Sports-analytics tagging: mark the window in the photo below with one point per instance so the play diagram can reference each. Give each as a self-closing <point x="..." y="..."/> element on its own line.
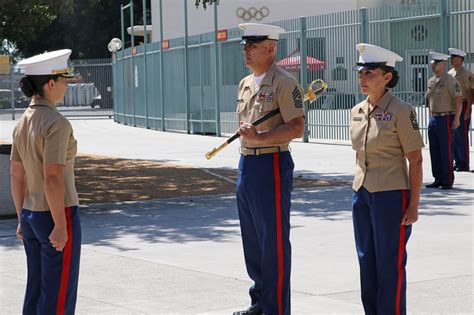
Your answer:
<point x="339" y="73"/>
<point x="419" y="33"/>
<point x="419" y="59"/>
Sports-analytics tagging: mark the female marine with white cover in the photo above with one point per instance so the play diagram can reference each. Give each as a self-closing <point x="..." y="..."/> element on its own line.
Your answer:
<point x="385" y="134"/>
<point x="46" y="201"/>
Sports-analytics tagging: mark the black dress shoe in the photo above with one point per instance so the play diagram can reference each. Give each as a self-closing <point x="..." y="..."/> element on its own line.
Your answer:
<point x="459" y="169"/>
<point x="436" y="184"/>
<point x="446" y="187"/>
<point x="252" y="310"/>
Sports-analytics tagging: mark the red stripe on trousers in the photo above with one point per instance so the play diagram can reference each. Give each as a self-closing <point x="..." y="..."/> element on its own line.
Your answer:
<point x="466" y="142"/>
<point x="66" y="265"/>
<point x="450" y="150"/>
<point x="276" y="172"/>
<point x="401" y="253"/>
<point x="466" y="138"/>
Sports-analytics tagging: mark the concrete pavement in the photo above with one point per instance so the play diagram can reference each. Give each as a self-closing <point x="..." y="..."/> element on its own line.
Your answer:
<point x="184" y="256"/>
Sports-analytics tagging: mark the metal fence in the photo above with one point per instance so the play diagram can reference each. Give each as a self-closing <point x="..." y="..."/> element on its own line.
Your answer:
<point x="88" y="95"/>
<point x="190" y="84"/>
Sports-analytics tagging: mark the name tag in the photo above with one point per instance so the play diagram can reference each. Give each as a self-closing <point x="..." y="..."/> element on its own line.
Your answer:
<point x="356" y="118"/>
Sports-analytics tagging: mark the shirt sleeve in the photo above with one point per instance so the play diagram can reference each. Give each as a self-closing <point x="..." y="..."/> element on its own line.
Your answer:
<point x="290" y="100"/>
<point x="408" y="130"/>
<point x="471" y="80"/>
<point x="457" y="92"/>
<point x="56" y="141"/>
<point x="14" y="154"/>
<point x="428" y="90"/>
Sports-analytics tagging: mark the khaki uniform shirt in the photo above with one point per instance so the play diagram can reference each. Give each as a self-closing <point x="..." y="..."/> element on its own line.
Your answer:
<point x="43" y="136"/>
<point x="277" y="90"/>
<point x="381" y="139"/>
<point x="465" y="79"/>
<point x="442" y="93"/>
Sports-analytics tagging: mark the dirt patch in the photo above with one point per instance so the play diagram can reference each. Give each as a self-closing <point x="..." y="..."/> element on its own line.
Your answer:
<point x="101" y="179"/>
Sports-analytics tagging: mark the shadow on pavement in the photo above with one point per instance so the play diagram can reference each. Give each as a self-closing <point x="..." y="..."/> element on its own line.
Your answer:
<point x="445" y="202"/>
<point x="215" y="218"/>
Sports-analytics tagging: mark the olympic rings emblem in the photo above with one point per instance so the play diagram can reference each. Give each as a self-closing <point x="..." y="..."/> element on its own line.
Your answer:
<point x="252" y="13"/>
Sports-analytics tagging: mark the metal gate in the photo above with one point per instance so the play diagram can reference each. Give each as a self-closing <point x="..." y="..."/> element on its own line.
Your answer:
<point x="89" y="94"/>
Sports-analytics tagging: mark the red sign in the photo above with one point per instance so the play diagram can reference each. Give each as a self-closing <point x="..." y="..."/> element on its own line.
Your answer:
<point x="165" y="44"/>
<point x="221" y="35"/>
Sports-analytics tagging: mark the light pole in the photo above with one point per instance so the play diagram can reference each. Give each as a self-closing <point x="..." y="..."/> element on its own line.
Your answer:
<point x="114" y="45"/>
<point x="217" y="72"/>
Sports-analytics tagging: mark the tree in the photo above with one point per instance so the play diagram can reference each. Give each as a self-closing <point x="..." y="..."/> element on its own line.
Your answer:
<point x="85" y="26"/>
<point x="22" y="22"/>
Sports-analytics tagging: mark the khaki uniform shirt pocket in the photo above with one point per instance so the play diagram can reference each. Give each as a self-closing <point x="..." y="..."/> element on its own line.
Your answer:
<point x="429" y="90"/>
<point x="387" y="135"/>
<point x="267" y="107"/>
<point x="358" y="126"/>
<point x="241" y="105"/>
<point x="241" y="110"/>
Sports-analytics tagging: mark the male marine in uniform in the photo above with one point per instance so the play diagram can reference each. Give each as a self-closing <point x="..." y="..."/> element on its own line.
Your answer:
<point x="444" y="101"/>
<point x="265" y="178"/>
<point x="461" y="134"/>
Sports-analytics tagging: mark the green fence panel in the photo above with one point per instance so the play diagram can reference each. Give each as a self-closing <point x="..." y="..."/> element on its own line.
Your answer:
<point x="326" y="50"/>
<point x="139" y="87"/>
<point x="174" y="89"/>
<point x="156" y="81"/>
